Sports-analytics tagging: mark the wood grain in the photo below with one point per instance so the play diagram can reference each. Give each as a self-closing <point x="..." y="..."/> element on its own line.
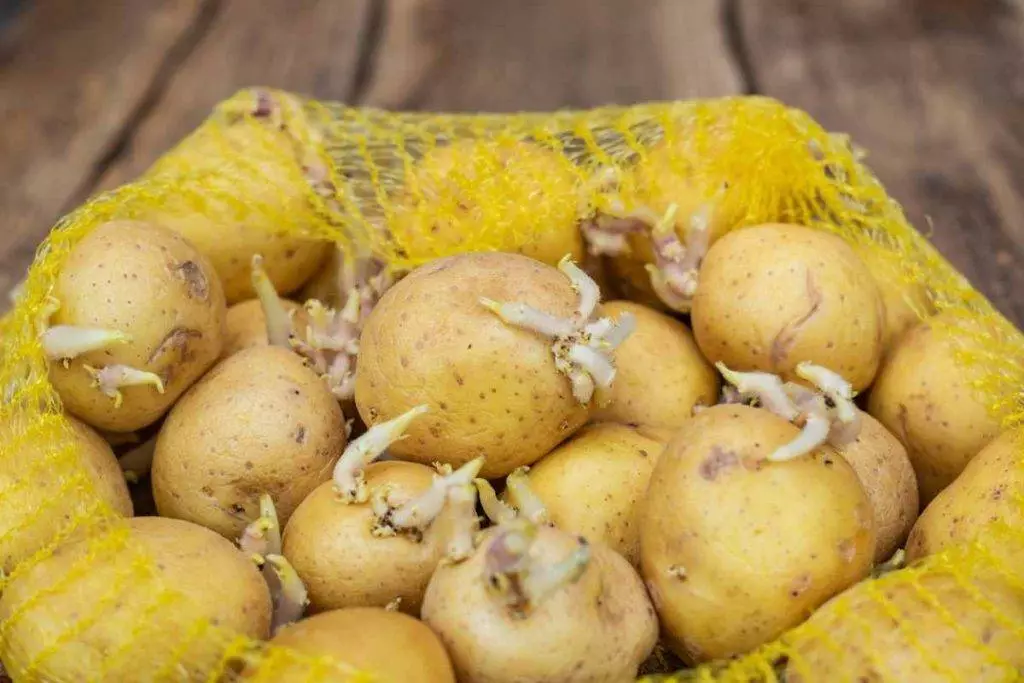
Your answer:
<point x="934" y="89"/>
<point x="73" y="75"/>
<point x="549" y="54"/>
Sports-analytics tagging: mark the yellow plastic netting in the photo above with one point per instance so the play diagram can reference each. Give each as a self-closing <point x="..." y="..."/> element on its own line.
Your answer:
<point x="406" y="188"/>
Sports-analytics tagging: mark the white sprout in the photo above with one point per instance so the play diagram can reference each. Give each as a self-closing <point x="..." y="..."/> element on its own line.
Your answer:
<point x="766" y="387"/>
<point x="348" y="472"/>
<point x="832" y="385"/>
<point x="464" y="522"/>
<point x="262" y="536"/>
<point x="279" y="322"/>
<point x="495" y="509"/>
<point x="64" y="342"/>
<point x="418" y="513"/>
<point x="112" y="378"/>
<point x="527" y="503"/>
<point x="814" y="433"/>
<point x="287" y="591"/>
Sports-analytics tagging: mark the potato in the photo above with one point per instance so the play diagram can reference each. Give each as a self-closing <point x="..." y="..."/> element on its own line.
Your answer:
<point x="524" y="194"/>
<point x="772" y="296"/>
<point x="856" y="636"/>
<point x="390" y="645"/>
<point x="736" y="549"/>
<point x="246" y="325"/>
<point x="259" y="422"/>
<point x="925" y="397"/>
<point x="906" y="302"/>
<point x="40" y="502"/>
<point x="258" y="163"/>
<point x="882" y="465"/>
<point x="148" y="284"/>
<point x="132" y="615"/>
<point x="985" y="492"/>
<point x="660" y="373"/>
<point x="493" y="389"/>
<point x="343" y="564"/>
<point x="592" y="485"/>
<point x="569" y="612"/>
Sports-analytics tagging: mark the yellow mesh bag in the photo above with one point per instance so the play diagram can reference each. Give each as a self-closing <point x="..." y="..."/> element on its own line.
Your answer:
<point x="407" y="188"/>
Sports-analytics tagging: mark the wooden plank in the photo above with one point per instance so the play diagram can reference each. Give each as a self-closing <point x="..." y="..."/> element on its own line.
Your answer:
<point x="312" y="47"/>
<point x="935" y="92"/>
<point x="72" y="77"/>
<point x="548" y="54"/>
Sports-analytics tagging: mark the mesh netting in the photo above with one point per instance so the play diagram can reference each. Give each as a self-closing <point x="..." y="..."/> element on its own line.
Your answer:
<point x="408" y="188"/>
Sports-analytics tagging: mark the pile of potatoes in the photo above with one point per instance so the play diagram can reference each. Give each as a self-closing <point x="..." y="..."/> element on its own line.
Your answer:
<point x="490" y="469"/>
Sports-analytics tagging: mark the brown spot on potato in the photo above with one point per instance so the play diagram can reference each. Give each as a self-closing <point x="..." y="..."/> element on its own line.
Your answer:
<point x="178" y="341"/>
<point x="800" y="585"/>
<point x="847" y="550"/>
<point x="300" y="435"/>
<point x="786" y="337"/>
<point x="717" y="462"/>
<point x="459" y="380"/>
<point x="195" y="280"/>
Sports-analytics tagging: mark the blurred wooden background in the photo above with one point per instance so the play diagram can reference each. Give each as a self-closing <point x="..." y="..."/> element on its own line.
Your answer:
<point x="91" y="91"/>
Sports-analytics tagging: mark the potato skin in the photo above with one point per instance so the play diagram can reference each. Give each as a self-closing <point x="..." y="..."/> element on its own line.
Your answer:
<point x="246" y="325"/>
<point x="343" y="565"/>
<point x="129" y="630"/>
<point x="592" y="485"/>
<point x="882" y="465"/>
<point x="598" y="629"/>
<point x="512" y="187"/>
<point x="866" y="643"/>
<point x="660" y="373"/>
<point x="256" y="162"/>
<point x="146" y="281"/>
<point x="925" y="397"/>
<point x="259" y="422"/>
<point x="774" y="295"/>
<point x="761" y="544"/>
<point x="492" y="388"/>
<point x="391" y="645"/>
<point x="37" y="525"/>
<point x="983" y="493"/>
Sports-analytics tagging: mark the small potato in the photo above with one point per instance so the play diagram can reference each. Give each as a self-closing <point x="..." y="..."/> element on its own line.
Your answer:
<point x="660" y="373"/>
<point x="772" y="296"/>
<point x="257" y="162"/>
<point x="493" y="389"/>
<point x="892" y="630"/>
<point x="134" y="614"/>
<point x="985" y="492"/>
<point x="882" y="465"/>
<point x="247" y="325"/>
<point x="524" y="194"/>
<point x="259" y="422"/>
<point x="592" y="485"/>
<point x="390" y="645"/>
<point x="925" y="397"/>
<point x="47" y="498"/>
<point x="567" y="611"/>
<point x="148" y="284"/>
<point x="736" y="549"/>
<point x="343" y="564"/>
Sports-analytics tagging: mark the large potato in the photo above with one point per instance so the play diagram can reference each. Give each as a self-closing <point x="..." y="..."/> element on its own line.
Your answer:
<point x="925" y="396"/>
<point x="39" y="503"/>
<point x="489" y="195"/>
<point x="882" y="465"/>
<point x="661" y="374"/>
<point x="596" y="625"/>
<point x="144" y="281"/>
<point x="255" y="200"/>
<point x="343" y="564"/>
<point x="390" y="645"/>
<point x="259" y="422"/>
<point x="592" y="485"/>
<point x="987" y="491"/>
<point x="772" y="296"/>
<point x="892" y="630"/>
<point x="736" y="549"/>
<point x="492" y="388"/>
<point x="133" y="614"/>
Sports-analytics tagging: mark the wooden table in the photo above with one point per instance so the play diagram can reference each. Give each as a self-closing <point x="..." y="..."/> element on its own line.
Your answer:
<point x="92" y="91"/>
